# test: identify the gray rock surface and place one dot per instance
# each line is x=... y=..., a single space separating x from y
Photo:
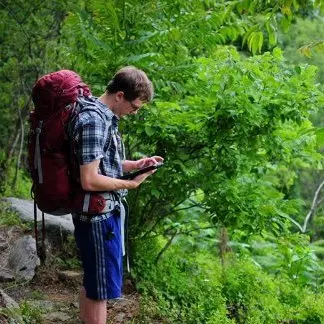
x=6 y=275
x=3 y=244
x=46 y=306
x=7 y=301
x=25 y=209
x=23 y=258
x=57 y=317
x=70 y=276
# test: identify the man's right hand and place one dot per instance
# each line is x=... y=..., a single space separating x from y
x=143 y=163
x=141 y=178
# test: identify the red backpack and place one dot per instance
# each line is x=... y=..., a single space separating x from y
x=56 y=189
x=55 y=97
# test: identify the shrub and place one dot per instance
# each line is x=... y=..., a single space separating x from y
x=177 y=288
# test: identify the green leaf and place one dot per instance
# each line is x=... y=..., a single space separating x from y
x=149 y=130
x=272 y=33
x=255 y=42
x=136 y=58
x=320 y=136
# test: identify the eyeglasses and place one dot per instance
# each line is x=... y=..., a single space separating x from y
x=134 y=107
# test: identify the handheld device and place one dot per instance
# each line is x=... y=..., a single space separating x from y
x=132 y=175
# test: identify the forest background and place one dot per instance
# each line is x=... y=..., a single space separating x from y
x=231 y=229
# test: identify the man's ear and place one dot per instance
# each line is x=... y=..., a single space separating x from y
x=119 y=95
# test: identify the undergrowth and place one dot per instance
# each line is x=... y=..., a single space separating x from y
x=181 y=288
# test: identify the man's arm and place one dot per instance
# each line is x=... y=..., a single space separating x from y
x=91 y=180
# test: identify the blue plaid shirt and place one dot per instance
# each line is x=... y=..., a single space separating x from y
x=96 y=137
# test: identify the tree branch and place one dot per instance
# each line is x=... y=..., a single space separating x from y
x=182 y=232
x=166 y=246
x=313 y=207
x=158 y=221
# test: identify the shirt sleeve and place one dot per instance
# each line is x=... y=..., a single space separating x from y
x=90 y=141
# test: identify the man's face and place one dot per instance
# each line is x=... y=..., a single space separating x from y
x=126 y=107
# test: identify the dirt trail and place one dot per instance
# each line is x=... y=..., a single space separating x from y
x=57 y=299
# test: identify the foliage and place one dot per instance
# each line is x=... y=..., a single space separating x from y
x=260 y=298
x=27 y=51
x=67 y=257
x=178 y=288
x=289 y=257
x=240 y=141
x=304 y=32
x=242 y=292
x=26 y=314
x=67 y=263
x=9 y=217
x=18 y=183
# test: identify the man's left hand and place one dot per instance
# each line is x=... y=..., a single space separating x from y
x=145 y=162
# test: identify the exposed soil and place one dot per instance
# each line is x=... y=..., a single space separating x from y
x=57 y=299
x=54 y=296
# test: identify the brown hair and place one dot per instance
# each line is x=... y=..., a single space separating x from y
x=133 y=82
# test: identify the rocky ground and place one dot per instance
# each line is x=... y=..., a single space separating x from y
x=53 y=296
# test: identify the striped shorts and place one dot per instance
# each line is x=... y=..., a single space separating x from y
x=98 y=239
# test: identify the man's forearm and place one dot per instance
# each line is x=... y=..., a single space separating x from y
x=91 y=180
x=100 y=182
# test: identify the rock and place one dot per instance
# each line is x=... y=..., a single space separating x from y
x=23 y=258
x=25 y=209
x=57 y=227
x=13 y=234
x=3 y=244
x=7 y=301
x=120 y=318
x=6 y=275
x=57 y=317
x=73 y=277
x=45 y=305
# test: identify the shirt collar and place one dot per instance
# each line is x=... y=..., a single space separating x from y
x=108 y=113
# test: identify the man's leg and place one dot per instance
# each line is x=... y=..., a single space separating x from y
x=82 y=297
x=99 y=243
x=92 y=311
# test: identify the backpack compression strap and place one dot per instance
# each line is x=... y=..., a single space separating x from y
x=40 y=250
x=37 y=156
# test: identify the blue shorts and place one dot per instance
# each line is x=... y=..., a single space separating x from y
x=99 y=242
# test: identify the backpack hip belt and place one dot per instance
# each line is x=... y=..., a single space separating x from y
x=109 y=205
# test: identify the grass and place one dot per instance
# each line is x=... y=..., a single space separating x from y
x=9 y=217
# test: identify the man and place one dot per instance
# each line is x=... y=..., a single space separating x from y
x=100 y=155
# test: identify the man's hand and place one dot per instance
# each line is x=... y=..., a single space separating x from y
x=141 y=178
x=129 y=166
x=145 y=162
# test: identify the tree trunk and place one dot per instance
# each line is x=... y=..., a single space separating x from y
x=223 y=245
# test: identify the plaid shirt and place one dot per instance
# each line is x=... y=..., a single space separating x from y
x=96 y=137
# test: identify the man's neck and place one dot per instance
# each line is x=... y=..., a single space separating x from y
x=108 y=100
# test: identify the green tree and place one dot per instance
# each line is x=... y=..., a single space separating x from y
x=238 y=125
x=29 y=41
x=305 y=31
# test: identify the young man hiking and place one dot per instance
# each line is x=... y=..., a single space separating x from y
x=100 y=156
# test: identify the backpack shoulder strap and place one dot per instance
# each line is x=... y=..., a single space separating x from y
x=89 y=104
x=83 y=104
